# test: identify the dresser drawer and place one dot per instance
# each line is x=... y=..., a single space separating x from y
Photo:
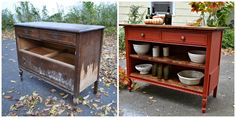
x=144 y=34
x=29 y=61
x=58 y=37
x=190 y=38
x=27 y=32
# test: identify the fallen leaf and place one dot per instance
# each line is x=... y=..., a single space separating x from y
x=53 y=90
x=10 y=91
x=95 y=105
x=12 y=114
x=62 y=94
x=65 y=96
x=154 y=100
x=12 y=60
x=8 y=97
x=13 y=81
x=86 y=97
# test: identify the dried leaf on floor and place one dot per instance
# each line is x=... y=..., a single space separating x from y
x=7 y=97
x=65 y=96
x=12 y=60
x=13 y=81
x=53 y=90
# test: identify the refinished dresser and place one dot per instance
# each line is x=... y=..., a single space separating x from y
x=180 y=40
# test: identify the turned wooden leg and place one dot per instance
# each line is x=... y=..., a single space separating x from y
x=130 y=85
x=204 y=102
x=215 y=91
x=95 y=89
x=21 y=74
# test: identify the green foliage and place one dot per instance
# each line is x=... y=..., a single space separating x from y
x=121 y=39
x=7 y=20
x=90 y=13
x=223 y=14
x=107 y=14
x=102 y=14
x=26 y=12
x=44 y=16
x=57 y=17
x=134 y=16
x=228 y=38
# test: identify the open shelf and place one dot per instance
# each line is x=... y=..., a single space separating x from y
x=65 y=57
x=58 y=54
x=169 y=60
x=42 y=51
x=172 y=82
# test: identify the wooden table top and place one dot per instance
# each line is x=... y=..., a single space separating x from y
x=78 y=28
x=175 y=27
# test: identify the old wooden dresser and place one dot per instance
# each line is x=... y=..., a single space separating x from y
x=179 y=39
x=64 y=55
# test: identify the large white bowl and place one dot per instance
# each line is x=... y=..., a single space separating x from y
x=190 y=77
x=197 y=56
x=143 y=68
x=141 y=48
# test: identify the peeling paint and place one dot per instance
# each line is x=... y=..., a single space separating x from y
x=88 y=75
x=57 y=76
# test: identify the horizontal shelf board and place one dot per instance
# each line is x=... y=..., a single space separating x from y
x=58 y=59
x=172 y=83
x=169 y=43
x=169 y=60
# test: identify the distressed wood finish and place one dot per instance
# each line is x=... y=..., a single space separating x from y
x=180 y=39
x=64 y=55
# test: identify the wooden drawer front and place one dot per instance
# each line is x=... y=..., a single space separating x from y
x=27 y=32
x=185 y=38
x=144 y=34
x=58 y=74
x=58 y=37
x=29 y=61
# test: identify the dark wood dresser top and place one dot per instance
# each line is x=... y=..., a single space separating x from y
x=78 y=28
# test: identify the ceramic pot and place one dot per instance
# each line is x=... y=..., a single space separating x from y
x=159 y=71
x=165 y=51
x=143 y=68
x=190 y=77
x=166 y=71
x=156 y=51
x=197 y=56
x=141 y=48
x=154 y=70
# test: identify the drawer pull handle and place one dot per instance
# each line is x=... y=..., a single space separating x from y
x=142 y=34
x=182 y=38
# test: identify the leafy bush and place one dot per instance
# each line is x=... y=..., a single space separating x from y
x=7 y=20
x=90 y=13
x=228 y=38
x=134 y=16
x=223 y=14
x=121 y=39
x=26 y=12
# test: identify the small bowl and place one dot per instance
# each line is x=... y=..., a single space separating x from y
x=141 y=48
x=190 y=77
x=197 y=56
x=143 y=68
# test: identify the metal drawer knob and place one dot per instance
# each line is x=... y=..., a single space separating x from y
x=142 y=34
x=183 y=38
